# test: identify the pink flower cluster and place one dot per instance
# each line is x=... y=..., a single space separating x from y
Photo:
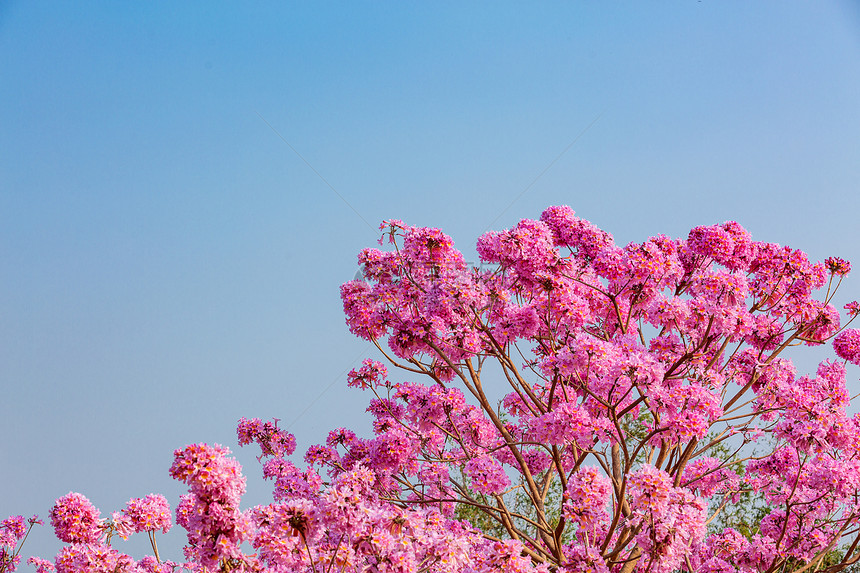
x=487 y=475
x=586 y=500
x=565 y=423
x=76 y=520
x=707 y=476
x=42 y=565
x=371 y=373
x=148 y=513
x=672 y=519
x=210 y=511
x=272 y=440
x=93 y=558
x=847 y=345
x=13 y=532
x=837 y=266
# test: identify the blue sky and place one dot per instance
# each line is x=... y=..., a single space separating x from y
x=168 y=264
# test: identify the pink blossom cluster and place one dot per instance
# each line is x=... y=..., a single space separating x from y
x=671 y=519
x=272 y=440
x=707 y=476
x=76 y=519
x=141 y=514
x=487 y=475
x=586 y=502
x=93 y=558
x=371 y=373
x=210 y=511
x=13 y=532
x=565 y=423
x=350 y=526
x=77 y=522
x=847 y=345
x=42 y=565
x=837 y=266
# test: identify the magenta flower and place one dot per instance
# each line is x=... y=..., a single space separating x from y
x=149 y=513
x=272 y=440
x=76 y=520
x=41 y=565
x=847 y=345
x=487 y=475
x=586 y=499
x=838 y=266
x=210 y=512
x=12 y=530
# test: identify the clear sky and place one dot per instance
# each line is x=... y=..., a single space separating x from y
x=168 y=264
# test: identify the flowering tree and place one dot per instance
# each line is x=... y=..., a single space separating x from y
x=587 y=407
x=627 y=371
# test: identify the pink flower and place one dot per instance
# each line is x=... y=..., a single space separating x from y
x=149 y=513
x=650 y=488
x=76 y=520
x=12 y=530
x=847 y=345
x=41 y=565
x=824 y=325
x=122 y=525
x=272 y=440
x=208 y=471
x=487 y=475
x=210 y=512
x=391 y=450
x=688 y=411
x=713 y=241
x=837 y=266
x=705 y=476
x=515 y=322
x=588 y=493
x=371 y=374
x=150 y=564
x=566 y=422
x=92 y=558
x=767 y=333
x=581 y=559
x=576 y=233
x=672 y=519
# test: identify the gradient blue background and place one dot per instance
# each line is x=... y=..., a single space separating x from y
x=168 y=264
